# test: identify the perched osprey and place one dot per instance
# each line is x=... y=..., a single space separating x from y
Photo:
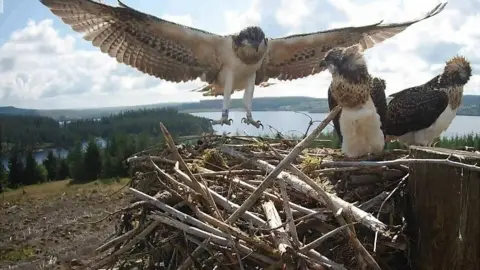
x=178 y=53
x=362 y=97
x=417 y=115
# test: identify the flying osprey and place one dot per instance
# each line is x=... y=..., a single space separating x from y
x=362 y=97
x=177 y=53
x=417 y=115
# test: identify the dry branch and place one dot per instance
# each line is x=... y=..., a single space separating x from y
x=293 y=154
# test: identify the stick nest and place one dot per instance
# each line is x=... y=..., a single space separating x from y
x=315 y=214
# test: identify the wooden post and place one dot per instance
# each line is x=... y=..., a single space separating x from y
x=444 y=218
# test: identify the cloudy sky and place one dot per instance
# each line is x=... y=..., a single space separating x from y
x=45 y=65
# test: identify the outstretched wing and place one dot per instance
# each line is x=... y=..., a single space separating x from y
x=414 y=110
x=298 y=56
x=379 y=99
x=157 y=47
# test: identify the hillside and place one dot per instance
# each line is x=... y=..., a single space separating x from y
x=41 y=131
x=470 y=106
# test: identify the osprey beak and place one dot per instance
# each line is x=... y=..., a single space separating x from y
x=323 y=63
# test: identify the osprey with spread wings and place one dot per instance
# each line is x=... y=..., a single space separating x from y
x=177 y=53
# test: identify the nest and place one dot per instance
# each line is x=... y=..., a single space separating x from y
x=228 y=203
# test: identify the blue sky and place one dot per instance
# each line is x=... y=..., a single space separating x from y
x=44 y=64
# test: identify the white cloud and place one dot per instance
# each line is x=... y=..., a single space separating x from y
x=236 y=20
x=39 y=68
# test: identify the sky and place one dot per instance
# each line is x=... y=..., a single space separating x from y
x=44 y=64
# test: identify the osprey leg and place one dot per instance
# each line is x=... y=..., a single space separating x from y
x=227 y=93
x=247 y=103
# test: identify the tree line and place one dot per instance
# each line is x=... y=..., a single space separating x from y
x=82 y=164
x=125 y=134
x=30 y=131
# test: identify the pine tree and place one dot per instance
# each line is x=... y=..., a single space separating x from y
x=51 y=165
x=62 y=170
x=15 y=170
x=92 y=161
x=30 y=174
x=76 y=166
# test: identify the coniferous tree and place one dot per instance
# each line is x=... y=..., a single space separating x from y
x=15 y=170
x=63 y=171
x=30 y=174
x=42 y=173
x=92 y=161
x=76 y=165
x=51 y=165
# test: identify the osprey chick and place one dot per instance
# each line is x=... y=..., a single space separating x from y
x=362 y=97
x=178 y=53
x=417 y=115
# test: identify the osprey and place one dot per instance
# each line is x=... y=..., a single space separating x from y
x=362 y=97
x=177 y=53
x=417 y=115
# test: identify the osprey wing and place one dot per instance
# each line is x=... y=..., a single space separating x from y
x=379 y=99
x=414 y=110
x=154 y=46
x=332 y=103
x=298 y=56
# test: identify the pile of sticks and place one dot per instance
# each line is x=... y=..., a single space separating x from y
x=248 y=203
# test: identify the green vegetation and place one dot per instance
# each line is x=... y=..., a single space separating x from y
x=17 y=254
x=124 y=134
x=41 y=132
x=470 y=106
x=81 y=165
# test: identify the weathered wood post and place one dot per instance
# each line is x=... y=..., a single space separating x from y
x=444 y=218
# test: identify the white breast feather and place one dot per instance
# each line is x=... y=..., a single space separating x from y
x=361 y=131
x=426 y=136
x=231 y=63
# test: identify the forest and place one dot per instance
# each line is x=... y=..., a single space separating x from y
x=125 y=134
x=31 y=131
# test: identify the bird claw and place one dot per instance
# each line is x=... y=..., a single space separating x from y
x=250 y=121
x=222 y=121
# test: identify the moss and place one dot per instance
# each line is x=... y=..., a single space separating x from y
x=213 y=160
x=17 y=254
x=310 y=164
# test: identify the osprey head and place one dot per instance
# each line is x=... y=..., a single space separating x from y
x=340 y=59
x=458 y=70
x=251 y=37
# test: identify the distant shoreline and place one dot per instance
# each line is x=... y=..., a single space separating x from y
x=241 y=110
x=470 y=107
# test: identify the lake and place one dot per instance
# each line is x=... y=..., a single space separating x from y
x=287 y=122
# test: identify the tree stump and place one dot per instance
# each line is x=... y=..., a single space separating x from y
x=444 y=216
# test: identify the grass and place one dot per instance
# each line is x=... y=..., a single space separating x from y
x=19 y=254
x=55 y=188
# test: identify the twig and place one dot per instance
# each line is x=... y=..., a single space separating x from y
x=226 y=204
x=311 y=189
x=279 y=235
x=214 y=238
x=114 y=257
x=206 y=195
x=399 y=162
x=188 y=262
x=314 y=244
x=381 y=207
x=269 y=179
x=288 y=213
